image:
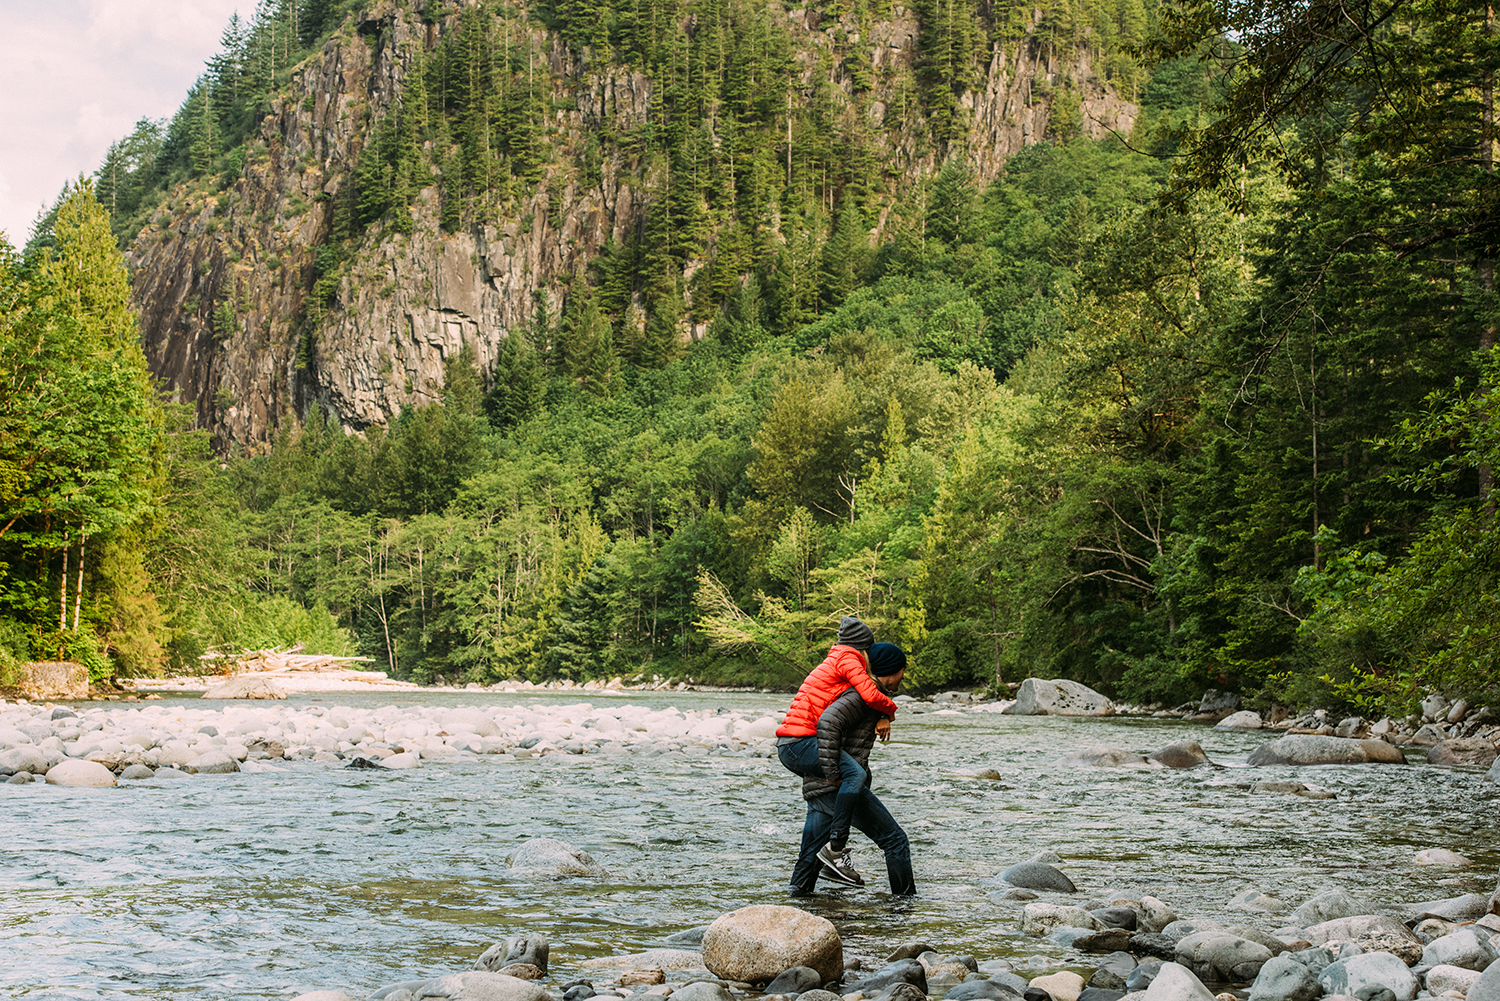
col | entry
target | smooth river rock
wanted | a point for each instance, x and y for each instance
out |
(1244, 720)
(1441, 979)
(479, 985)
(1330, 905)
(657, 959)
(1038, 876)
(1219, 956)
(246, 686)
(1181, 754)
(1469, 907)
(1038, 697)
(213, 763)
(901, 971)
(26, 758)
(755, 943)
(1062, 986)
(1176, 983)
(1103, 756)
(77, 772)
(551, 857)
(1487, 987)
(1371, 931)
(1493, 775)
(1462, 751)
(1317, 749)
(796, 980)
(1465, 948)
(1041, 918)
(1377, 969)
(1285, 979)
(530, 949)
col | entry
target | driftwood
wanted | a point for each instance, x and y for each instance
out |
(281, 661)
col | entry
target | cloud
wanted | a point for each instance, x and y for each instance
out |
(79, 74)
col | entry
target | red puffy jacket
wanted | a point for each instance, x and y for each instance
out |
(844, 667)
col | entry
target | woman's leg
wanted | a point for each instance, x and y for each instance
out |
(800, 757)
(851, 785)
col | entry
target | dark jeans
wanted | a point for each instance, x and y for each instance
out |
(872, 818)
(801, 757)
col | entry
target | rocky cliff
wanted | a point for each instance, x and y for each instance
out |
(223, 278)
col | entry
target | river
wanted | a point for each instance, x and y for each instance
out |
(270, 884)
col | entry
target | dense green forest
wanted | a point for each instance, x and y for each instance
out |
(1203, 405)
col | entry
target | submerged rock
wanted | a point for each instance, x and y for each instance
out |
(549, 856)
(1318, 749)
(1038, 876)
(1182, 754)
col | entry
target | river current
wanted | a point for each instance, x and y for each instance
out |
(270, 884)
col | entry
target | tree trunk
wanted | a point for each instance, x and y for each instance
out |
(62, 591)
(78, 590)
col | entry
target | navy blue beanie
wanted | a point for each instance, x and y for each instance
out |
(886, 659)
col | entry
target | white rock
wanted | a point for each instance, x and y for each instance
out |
(1243, 720)
(79, 773)
(405, 759)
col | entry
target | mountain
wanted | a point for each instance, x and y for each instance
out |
(433, 177)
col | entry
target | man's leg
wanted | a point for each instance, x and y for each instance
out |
(872, 818)
(814, 836)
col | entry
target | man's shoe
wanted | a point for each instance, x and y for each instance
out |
(839, 866)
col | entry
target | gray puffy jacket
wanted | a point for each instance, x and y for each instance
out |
(848, 724)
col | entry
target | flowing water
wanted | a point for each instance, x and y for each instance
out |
(270, 884)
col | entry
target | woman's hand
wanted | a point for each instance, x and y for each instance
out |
(883, 730)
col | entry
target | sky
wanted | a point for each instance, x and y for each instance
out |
(76, 75)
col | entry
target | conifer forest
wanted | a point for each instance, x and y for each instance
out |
(1146, 343)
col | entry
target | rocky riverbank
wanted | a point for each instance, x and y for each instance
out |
(1131, 946)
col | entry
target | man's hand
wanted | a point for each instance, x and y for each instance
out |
(883, 730)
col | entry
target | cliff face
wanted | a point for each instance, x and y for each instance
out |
(222, 280)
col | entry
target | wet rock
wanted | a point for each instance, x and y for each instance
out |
(1117, 917)
(1155, 915)
(361, 762)
(1181, 754)
(1462, 751)
(137, 772)
(1181, 929)
(405, 759)
(1330, 905)
(578, 991)
(820, 995)
(170, 774)
(20, 779)
(1037, 697)
(1113, 972)
(910, 950)
(1441, 979)
(1038, 876)
(1062, 986)
(1317, 749)
(213, 763)
(1140, 978)
(1493, 775)
(1256, 903)
(1153, 944)
(1464, 948)
(957, 966)
(1375, 992)
(688, 936)
(1271, 942)
(1040, 918)
(902, 971)
(983, 990)
(531, 949)
(1176, 983)
(755, 943)
(323, 996)
(1439, 856)
(1100, 994)
(79, 773)
(901, 992)
(1284, 979)
(551, 857)
(1378, 969)
(1219, 956)
(1243, 720)
(1014, 893)
(795, 981)
(479, 985)
(1102, 756)
(648, 977)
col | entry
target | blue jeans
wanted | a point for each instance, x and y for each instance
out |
(801, 758)
(869, 816)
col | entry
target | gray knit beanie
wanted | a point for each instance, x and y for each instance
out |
(855, 633)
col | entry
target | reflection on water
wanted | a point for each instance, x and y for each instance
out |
(267, 885)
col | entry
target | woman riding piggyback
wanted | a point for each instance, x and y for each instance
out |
(846, 666)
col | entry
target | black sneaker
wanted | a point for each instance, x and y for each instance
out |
(839, 866)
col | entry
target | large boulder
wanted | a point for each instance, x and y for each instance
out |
(755, 943)
(1371, 969)
(1462, 751)
(1181, 754)
(1464, 948)
(1035, 875)
(1246, 719)
(551, 857)
(247, 686)
(1285, 979)
(1176, 983)
(1037, 697)
(480, 985)
(1469, 907)
(213, 763)
(1366, 929)
(77, 772)
(1317, 749)
(1220, 956)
